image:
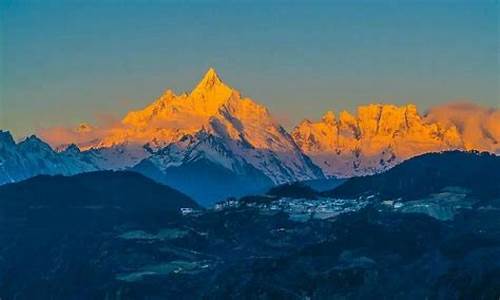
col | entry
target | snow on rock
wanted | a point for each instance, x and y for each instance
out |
(32, 157)
(213, 122)
(217, 123)
(377, 138)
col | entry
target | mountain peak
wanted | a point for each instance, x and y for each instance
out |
(33, 143)
(84, 128)
(210, 82)
(329, 117)
(72, 149)
(210, 93)
(6, 138)
(211, 73)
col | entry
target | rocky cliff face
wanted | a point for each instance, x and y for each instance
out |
(377, 138)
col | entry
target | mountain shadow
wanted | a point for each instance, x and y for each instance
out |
(205, 181)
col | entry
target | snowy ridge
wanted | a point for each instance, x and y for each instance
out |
(215, 122)
(379, 137)
(33, 157)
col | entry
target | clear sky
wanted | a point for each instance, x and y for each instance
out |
(64, 62)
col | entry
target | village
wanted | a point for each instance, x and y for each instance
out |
(301, 209)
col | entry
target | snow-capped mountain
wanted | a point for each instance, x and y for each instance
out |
(213, 142)
(213, 122)
(379, 137)
(211, 134)
(32, 157)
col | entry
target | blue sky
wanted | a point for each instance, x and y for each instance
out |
(64, 62)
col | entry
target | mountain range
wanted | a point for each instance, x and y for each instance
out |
(213, 142)
(376, 139)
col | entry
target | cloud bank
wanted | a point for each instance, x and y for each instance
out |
(84, 135)
(478, 125)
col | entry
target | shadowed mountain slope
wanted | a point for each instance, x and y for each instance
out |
(430, 173)
(118, 193)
